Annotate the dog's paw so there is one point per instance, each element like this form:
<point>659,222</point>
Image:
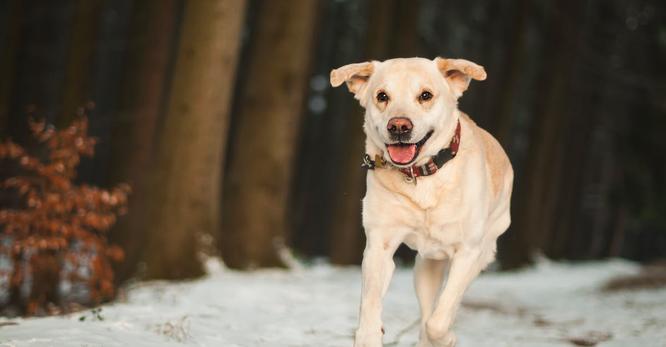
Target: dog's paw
<point>446,340</point>
<point>423,338</point>
<point>423,342</point>
<point>365,339</point>
<point>439,334</point>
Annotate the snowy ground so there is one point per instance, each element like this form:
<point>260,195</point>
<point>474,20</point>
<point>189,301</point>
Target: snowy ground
<point>551,304</point>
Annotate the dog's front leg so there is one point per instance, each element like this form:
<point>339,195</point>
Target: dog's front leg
<point>428,278</point>
<point>465,266</point>
<point>377,270</point>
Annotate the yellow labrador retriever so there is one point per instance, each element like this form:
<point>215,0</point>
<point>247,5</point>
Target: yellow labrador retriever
<point>436,181</point>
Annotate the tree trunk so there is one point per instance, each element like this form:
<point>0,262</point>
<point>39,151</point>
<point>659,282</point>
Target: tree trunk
<point>76,86</point>
<point>9,44</point>
<point>257,185</point>
<point>152,41</point>
<point>340,41</point>
<point>536,198</point>
<point>510,74</point>
<point>39,63</point>
<point>184,194</point>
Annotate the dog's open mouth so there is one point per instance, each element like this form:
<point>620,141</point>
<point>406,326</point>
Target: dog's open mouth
<point>405,153</point>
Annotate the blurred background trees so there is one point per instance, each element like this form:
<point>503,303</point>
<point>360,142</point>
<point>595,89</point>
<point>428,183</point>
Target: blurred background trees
<point>183,194</point>
<point>220,116</point>
<point>263,138</point>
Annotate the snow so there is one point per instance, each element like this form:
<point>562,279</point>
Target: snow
<point>546,305</point>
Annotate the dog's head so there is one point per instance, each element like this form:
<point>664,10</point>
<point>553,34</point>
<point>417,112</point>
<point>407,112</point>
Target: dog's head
<point>409,103</point>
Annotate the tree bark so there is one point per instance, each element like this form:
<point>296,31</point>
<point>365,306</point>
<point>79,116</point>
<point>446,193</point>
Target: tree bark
<point>184,194</point>
<point>9,44</point>
<point>510,74</point>
<point>257,185</point>
<point>536,198</point>
<point>39,63</point>
<point>142,103</point>
<point>76,86</point>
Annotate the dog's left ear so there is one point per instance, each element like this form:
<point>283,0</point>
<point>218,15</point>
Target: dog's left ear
<point>459,72</point>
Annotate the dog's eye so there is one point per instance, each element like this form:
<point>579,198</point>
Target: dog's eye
<point>382,97</point>
<point>425,96</point>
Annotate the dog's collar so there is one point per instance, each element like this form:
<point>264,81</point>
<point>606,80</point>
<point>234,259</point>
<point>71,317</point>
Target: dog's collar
<point>434,163</point>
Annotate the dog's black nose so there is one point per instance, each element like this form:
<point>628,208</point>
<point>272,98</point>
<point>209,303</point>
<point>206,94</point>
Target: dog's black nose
<point>400,127</point>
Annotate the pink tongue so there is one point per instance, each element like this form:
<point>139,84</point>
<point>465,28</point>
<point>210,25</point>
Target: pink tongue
<point>402,154</point>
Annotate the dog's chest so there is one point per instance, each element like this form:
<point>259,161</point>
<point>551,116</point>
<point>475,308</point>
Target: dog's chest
<point>435,218</point>
<point>429,210</point>
<point>439,233</point>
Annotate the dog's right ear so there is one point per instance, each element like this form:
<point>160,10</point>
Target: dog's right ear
<point>355,75</point>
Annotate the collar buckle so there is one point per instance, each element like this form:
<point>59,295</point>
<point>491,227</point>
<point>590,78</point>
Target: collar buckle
<point>368,163</point>
<point>410,178</point>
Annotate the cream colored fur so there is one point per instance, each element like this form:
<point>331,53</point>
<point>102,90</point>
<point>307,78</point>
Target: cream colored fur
<point>452,218</point>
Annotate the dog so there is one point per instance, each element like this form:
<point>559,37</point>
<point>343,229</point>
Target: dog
<point>436,182</point>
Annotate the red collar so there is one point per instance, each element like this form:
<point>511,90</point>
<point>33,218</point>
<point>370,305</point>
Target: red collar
<point>435,163</point>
